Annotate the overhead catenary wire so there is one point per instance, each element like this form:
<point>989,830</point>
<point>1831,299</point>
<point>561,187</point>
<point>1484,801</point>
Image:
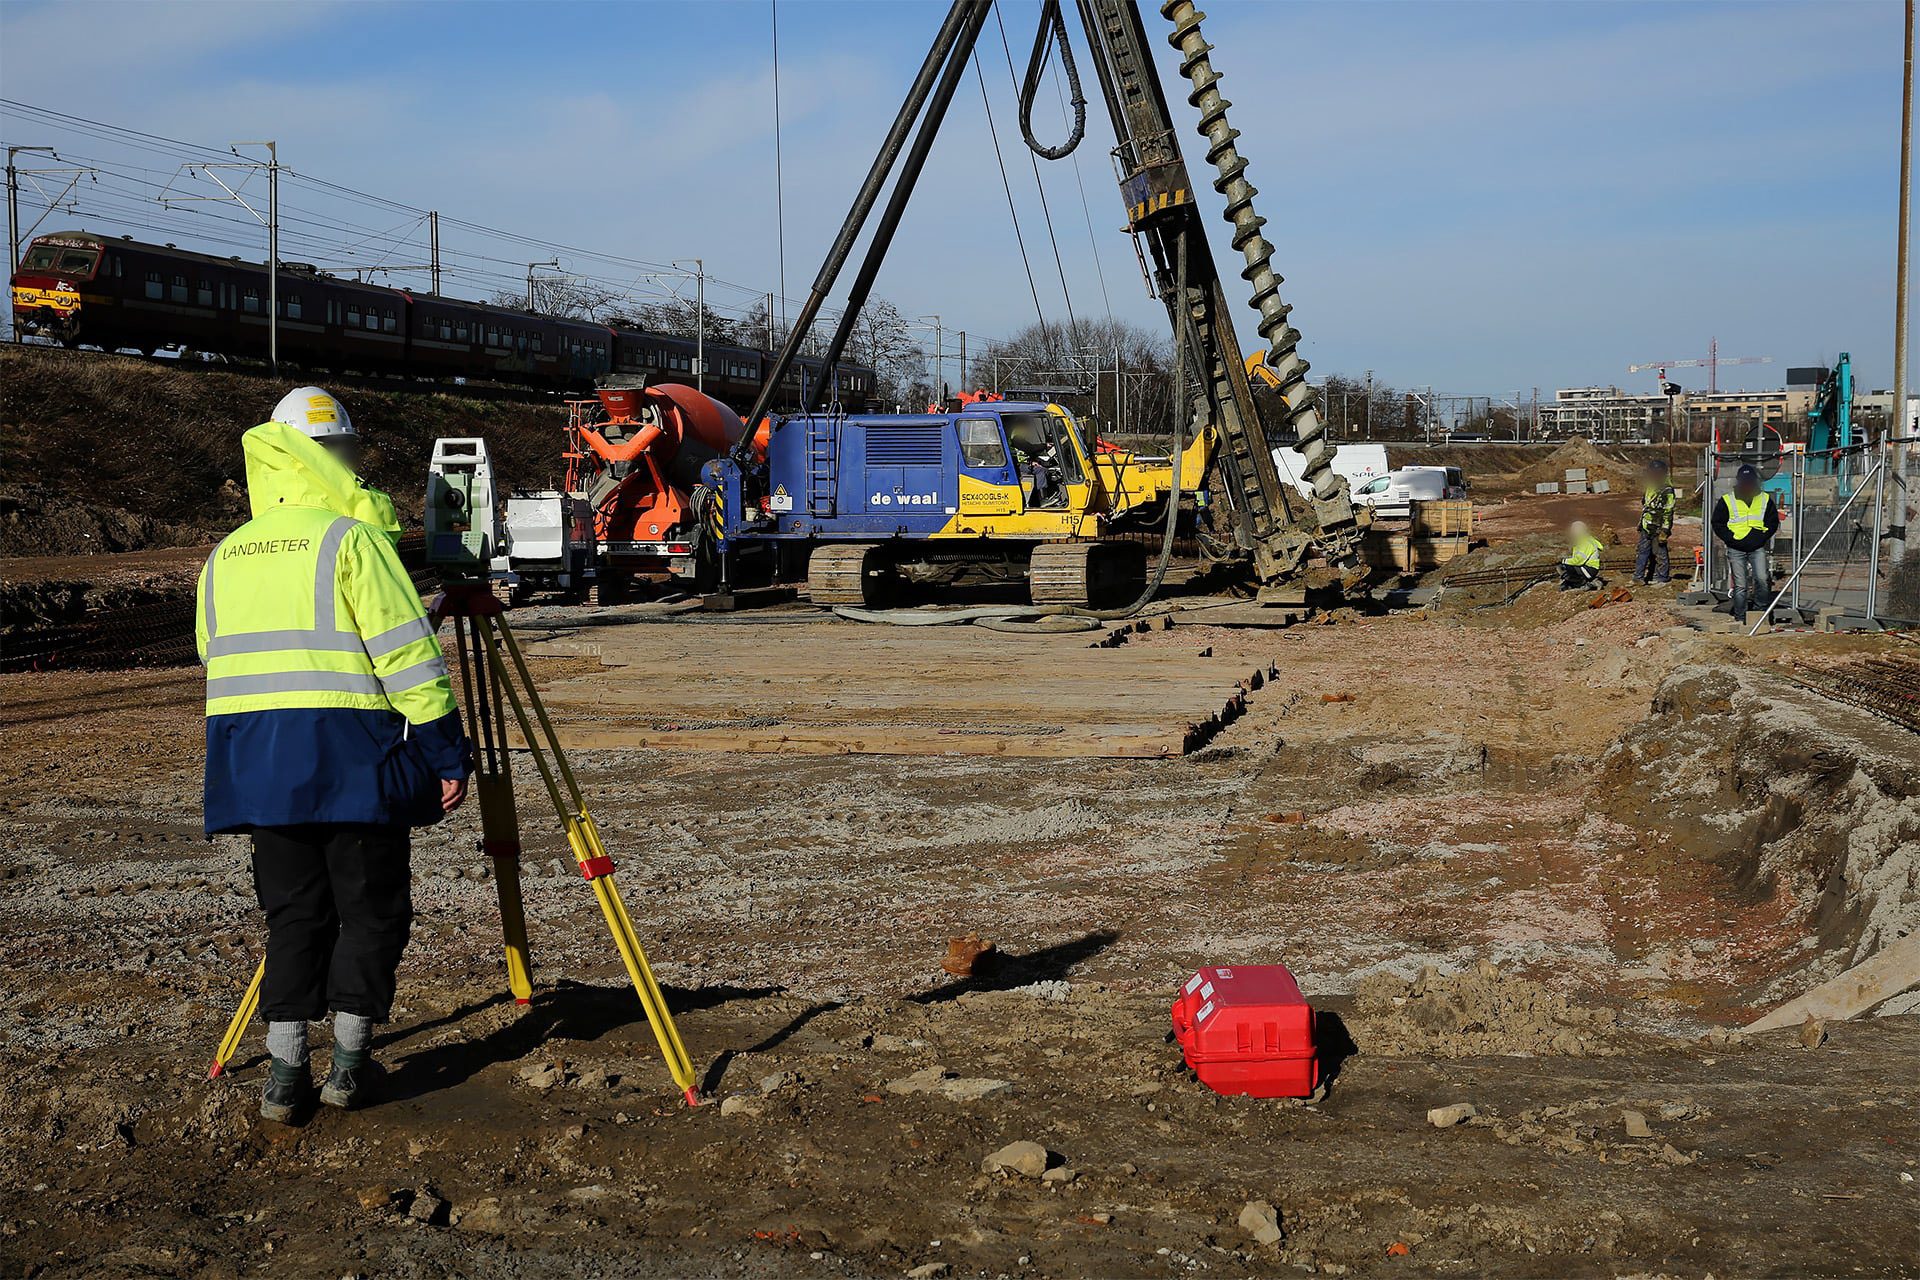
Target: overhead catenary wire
<point>992,133</point>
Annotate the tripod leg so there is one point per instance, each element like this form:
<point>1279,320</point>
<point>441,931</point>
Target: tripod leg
<point>230,1043</point>
<point>493,783</point>
<point>501,827</point>
<point>583,837</point>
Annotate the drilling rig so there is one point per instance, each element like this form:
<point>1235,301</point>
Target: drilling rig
<point>1290,542</point>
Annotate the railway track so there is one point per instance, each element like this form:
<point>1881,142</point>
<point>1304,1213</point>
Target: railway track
<point>501,391</point>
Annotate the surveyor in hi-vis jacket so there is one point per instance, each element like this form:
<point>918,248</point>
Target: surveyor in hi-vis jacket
<point>331,730</point>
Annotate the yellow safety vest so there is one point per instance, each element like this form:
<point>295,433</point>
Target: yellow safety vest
<point>307,606</point>
<point>1744,518</point>
<point>1585,554</point>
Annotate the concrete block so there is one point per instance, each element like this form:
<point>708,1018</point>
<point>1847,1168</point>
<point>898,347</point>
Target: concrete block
<point>1602,486</point>
<point>1551,486</point>
<point>1576,473</point>
<point>1696,597</point>
<point>1576,486</point>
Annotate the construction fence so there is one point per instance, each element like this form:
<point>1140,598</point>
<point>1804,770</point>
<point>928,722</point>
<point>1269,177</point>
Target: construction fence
<point>1843,551</point>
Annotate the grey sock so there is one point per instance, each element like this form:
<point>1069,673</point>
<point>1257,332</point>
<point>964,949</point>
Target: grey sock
<point>352,1032</point>
<point>287,1041</point>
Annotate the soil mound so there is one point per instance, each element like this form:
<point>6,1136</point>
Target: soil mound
<point>1578,452</point>
<point>1480,1011</point>
<point>112,453</point>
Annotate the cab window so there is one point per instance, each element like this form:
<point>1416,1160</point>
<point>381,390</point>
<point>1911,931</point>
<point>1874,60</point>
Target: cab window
<point>981,444</point>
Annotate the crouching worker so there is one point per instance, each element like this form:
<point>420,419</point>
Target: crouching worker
<point>331,730</point>
<point>1581,567</point>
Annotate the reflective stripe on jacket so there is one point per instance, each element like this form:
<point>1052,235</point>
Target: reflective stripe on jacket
<point>327,695</point>
<point>1656,508</point>
<point>1585,554</point>
<point>1744,518</point>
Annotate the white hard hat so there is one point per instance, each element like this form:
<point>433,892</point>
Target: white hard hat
<point>314,411</point>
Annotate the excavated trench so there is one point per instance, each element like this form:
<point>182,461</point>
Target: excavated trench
<point>1782,799</point>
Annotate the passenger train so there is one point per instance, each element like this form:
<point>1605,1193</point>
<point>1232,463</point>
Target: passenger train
<point>76,287</point>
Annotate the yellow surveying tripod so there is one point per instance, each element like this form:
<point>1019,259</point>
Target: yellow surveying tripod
<point>491,683</point>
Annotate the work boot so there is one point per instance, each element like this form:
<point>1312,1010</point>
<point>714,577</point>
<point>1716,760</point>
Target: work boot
<point>288,1086</point>
<point>351,1078</point>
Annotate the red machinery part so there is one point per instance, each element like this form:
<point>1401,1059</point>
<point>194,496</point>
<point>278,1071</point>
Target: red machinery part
<point>1246,1029</point>
<point>671,431</point>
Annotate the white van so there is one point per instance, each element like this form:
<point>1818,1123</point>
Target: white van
<point>1393,495</point>
<point>1361,464</point>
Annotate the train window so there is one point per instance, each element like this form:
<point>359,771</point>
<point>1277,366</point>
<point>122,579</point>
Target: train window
<point>387,321</point>
<point>539,342</point>
<point>204,293</point>
<point>116,267</point>
<point>291,307</point>
<point>373,319</point>
<point>178,292</point>
<point>353,315</point>
<point>460,331</point>
<point>250,301</point>
<point>493,336</point>
<point>155,289</point>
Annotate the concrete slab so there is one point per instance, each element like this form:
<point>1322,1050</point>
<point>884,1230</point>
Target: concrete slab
<point>1602,486</point>
<point>1880,977</point>
<point>1576,473</point>
<point>1549,486</point>
<point>1576,486</point>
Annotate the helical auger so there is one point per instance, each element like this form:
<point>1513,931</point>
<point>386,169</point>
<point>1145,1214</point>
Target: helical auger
<point>1283,340</point>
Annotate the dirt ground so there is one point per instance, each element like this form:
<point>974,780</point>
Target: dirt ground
<point>1547,855</point>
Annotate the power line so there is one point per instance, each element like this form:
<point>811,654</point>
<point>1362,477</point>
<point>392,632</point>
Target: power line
<point>1019,239</point>
<point>1066,294</point>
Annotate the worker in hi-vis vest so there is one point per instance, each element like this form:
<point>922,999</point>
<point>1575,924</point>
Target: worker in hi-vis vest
<point>1746,520</point>
<point>1658,498</point>
<point>331,731</point>
<point>1581,565</point>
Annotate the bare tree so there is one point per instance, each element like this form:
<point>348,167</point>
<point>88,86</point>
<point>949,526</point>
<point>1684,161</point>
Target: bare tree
<point>570,297</point>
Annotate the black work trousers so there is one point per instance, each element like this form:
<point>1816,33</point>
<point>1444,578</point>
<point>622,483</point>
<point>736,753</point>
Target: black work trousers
<point>339,904</point>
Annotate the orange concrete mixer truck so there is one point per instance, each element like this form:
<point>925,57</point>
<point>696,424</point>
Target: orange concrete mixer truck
<point>627,513</point>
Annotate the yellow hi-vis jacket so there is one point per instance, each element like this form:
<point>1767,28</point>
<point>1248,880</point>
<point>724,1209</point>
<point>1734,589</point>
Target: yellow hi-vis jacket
<point>327,691</point>
<point>1744,518</point>
<point>1586,554</point>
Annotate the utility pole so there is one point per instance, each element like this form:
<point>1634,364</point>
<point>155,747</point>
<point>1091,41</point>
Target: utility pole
<point>531,267</point>
<point>699,320</point>
<point>939,367</point>
<point>433,229</point>
<point>770,343</point>
<point>13,218</point>
<point>963,359</point>
<point>1369,413</point>
<point>273,252</point>
<point>1909,450</point>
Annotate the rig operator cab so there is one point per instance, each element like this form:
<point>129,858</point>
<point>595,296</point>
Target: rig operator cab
<point>1000,490</point>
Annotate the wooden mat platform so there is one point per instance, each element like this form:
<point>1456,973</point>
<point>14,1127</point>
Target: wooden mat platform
<point>830,688</point>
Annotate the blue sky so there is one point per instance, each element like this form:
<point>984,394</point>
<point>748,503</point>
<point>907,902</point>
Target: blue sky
<point>1483,197</point>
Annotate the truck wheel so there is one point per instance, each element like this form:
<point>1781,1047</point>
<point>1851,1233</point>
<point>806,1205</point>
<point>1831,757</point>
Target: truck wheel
<point>848,573</point>
<point>1086,574</point>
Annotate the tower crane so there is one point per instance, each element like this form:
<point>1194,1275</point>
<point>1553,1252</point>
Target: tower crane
<point>1711,364</point>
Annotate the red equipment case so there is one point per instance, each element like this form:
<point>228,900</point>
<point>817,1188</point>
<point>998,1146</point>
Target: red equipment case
<point>1246,1029</point>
